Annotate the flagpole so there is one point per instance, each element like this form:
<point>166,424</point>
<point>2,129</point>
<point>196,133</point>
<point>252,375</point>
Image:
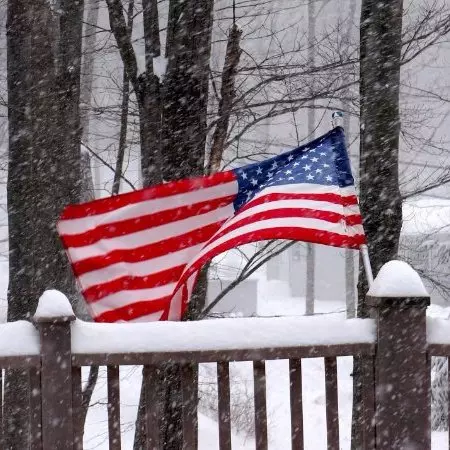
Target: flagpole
<point>337,120</point>
<point>310,293</point>
<point>367,266</point>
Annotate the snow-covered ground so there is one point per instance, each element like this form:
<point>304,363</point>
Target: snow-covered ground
<point>273,301</point>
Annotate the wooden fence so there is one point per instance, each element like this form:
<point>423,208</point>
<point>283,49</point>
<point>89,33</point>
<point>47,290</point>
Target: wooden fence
<point>395,375</point>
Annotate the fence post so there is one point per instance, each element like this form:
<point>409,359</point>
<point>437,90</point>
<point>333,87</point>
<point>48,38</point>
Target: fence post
<point>402,383</point>
<point>53,317</point>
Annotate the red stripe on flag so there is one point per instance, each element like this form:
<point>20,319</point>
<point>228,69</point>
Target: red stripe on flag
<point>133,311</point>
<point>147,252</point>
<point>354,219</point>
<point>124,227</point>
<point>105,205</point>
<point>99,291</point>
<point>330,198</point>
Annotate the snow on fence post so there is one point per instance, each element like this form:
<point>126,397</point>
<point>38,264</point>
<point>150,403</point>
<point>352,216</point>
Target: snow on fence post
<point>52,318</point>
<point>398,302</point>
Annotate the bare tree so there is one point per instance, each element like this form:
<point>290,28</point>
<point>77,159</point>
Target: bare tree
<point>380,198</point>
<point>44,51</point>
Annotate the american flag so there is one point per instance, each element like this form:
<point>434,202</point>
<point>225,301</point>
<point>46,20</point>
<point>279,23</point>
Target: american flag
<point>136,256</point>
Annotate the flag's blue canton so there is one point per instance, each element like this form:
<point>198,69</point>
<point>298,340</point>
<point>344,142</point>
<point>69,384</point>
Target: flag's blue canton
<point>322,161</point>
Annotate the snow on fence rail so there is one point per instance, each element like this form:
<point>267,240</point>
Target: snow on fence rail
<point>438,331</point>
<point>220,334</point>
<point>18,339</point>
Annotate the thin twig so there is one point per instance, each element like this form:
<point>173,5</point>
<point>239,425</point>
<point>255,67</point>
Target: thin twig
<point>107,165</point>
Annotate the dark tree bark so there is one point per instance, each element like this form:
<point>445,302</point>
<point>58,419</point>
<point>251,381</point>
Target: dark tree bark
<point>67,161</point>
<point>184,132</point>
<point>87,74</point>
<point>15,424</point>
<point>380,200</point>
<point>44,167</point>
<point>146,88</point>
<point>123,111</point>
<point>227,96</point>
<point>173,131</point>
<point>186,88</point>
<point>178,113</point>
<point>31,239</point>
<point>381,203</point>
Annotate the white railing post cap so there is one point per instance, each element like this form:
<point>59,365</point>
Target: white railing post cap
<point>54,306</point>
<point>397,279</point>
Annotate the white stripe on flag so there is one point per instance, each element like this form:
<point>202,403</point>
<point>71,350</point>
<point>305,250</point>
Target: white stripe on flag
<point>307,188</point>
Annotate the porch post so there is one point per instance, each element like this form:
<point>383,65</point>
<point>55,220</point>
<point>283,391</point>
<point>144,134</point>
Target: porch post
<point>53,317</point>
<point>402,379</point>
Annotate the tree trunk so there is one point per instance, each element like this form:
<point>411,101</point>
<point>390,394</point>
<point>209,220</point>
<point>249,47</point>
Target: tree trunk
<point>184,131</point>
<point>185,94</point>
<point>149,101</point>
<point>123,111</point>
<point>227,96</point>
<point>69,177</point>
<point>86,83</point>
<point>173,130</point>
<point>15,421</point>
<point>31,241</point>
<point>44,168</point>
<point>87,75</point>
<point>381,205</point>
<point>185,103</point>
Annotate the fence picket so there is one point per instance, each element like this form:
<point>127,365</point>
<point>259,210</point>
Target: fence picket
<point>259,380</point>
<point>113,407</point>
<point>368,400</point>
<point>56,382</point>
<point>77,405</point>
<point>151,407</point>
<point>295,378</point>
<point>223,388</point>
<point>189,387</point>
<point>332,412</point>
<point>35,409</point>
<point>448,402</point>
<point>1,408</point>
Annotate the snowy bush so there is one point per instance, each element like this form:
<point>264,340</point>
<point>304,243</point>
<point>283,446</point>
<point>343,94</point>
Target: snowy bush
<point>439,394</point>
